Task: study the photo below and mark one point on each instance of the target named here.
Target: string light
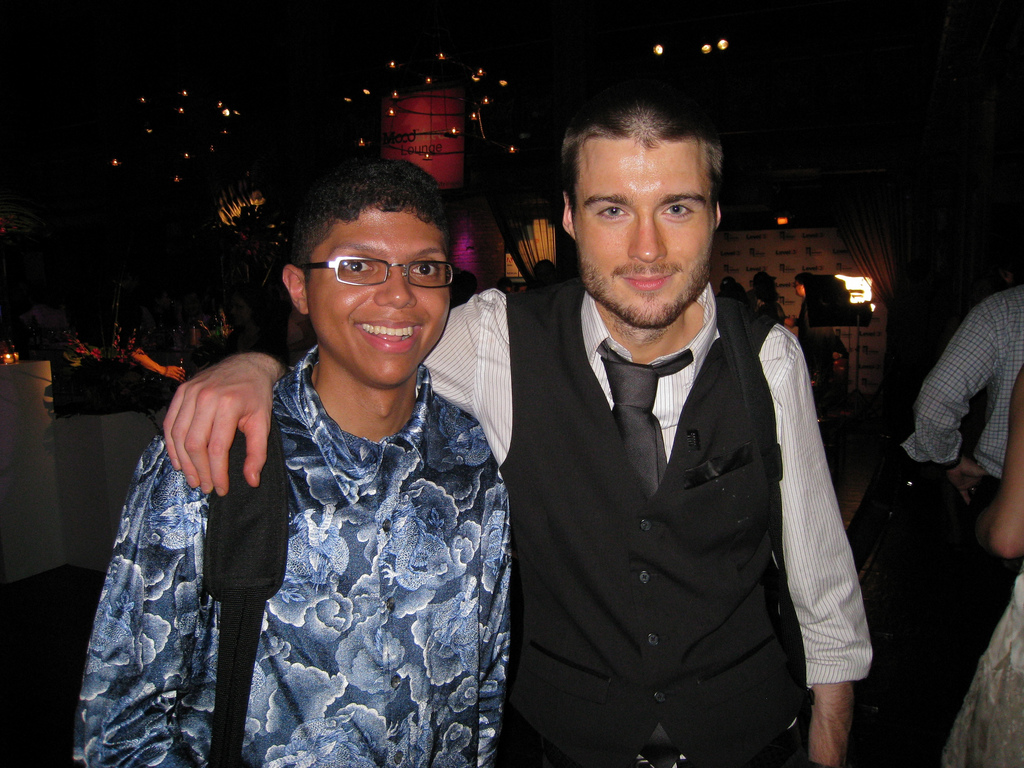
(226, 112)
(115, 162)
(658, 50)
(183, 93)
(142, 99)
(723, 44)
(181, 110)
(366, 91)
(706, 48)
(503, 83)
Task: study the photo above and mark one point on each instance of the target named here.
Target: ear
(294, 279)
(567, 217)
(718, 215)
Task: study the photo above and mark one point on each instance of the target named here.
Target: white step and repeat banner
(784, 253)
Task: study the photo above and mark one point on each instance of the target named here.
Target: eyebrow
(682, 197)
(376, 252)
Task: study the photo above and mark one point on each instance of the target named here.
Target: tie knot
(635, 385)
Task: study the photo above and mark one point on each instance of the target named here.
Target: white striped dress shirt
(471, 367)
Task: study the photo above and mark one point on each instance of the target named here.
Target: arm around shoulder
(201, 420)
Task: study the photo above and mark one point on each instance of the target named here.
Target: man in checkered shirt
(986, 352)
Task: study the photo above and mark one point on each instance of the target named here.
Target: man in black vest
(640, 505)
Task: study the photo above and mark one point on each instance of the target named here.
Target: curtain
(524, 223)
(872, 211)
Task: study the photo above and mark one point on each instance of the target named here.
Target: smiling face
(372, 337)
(643, 225)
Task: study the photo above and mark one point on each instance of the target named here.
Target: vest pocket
(717, 466)
(567, 676)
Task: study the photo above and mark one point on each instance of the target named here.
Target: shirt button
(386, 526)
(399, 757)
(645, 525)
(653, 639)
(395, 681)
(659, 696)
(390, 603)
(644, 577)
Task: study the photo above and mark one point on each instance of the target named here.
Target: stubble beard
(646, 317)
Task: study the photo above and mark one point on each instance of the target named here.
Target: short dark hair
(649, 112)
(392, 186)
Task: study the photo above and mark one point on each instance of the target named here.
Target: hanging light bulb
(723, 44)
(366, 91)
(503, 83)
(512, 150)
(391, 111)
(440, 56)
(115, 162)
(394, 94)
(392, 65)
(362, 142)
(706, 48)
(658, 50)
(485, 100)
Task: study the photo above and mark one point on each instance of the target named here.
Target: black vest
(637, 611)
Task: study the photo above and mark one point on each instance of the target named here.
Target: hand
(174, 372)
(965, 476)
(201, 420)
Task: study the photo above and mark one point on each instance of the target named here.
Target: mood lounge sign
(427, 128)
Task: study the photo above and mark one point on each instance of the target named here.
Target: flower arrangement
(100, 380)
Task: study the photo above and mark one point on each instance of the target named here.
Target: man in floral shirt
(388, 642)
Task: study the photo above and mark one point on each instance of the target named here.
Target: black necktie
(634, 387)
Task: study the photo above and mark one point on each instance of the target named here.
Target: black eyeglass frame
(333, 265)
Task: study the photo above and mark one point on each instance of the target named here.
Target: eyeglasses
(359, 271)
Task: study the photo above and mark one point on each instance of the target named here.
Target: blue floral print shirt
(387, 643)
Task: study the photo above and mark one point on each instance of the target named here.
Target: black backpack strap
(244, 562)
(742, 336)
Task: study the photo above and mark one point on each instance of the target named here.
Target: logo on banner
(727, 269)
(730, 253)
(811, 251)
(784, 235)
(730, 237)
(756, 253)
(809, 235)
(427, 128)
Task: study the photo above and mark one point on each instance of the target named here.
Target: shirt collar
(595, 331)
(299, 398)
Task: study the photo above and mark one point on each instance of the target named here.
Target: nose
(646, 241)
(395, 291)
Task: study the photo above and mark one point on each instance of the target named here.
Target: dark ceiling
(805, 89)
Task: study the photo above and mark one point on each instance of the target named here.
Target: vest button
(386, 526)
(399, 757)
(659, 696)
(653, 639)
(645, 525)
(644, 577)
(390, 603)
(395, 681)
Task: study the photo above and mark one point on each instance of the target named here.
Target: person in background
(986, 352)
(988, 731)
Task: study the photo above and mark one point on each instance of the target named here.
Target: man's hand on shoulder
(205, 412)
